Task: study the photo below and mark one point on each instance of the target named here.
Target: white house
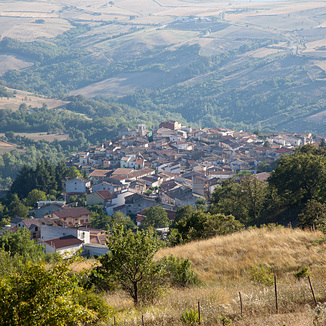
(77, 185)
(51, 232)
(66, 246)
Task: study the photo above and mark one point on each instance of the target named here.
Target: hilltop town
(170, 167)
(174, 165)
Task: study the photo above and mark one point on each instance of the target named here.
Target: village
(170, 167)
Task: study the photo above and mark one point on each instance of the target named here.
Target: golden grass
(41, 136)
(30, 99)
(229, 257)
(224, 264)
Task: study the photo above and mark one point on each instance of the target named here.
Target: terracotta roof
(105, 194)
(67, 241)
(122, 171)
(141, 172)
(72, 212)
(100, 173)
(98, 239)
(31, 223)
(283, 150)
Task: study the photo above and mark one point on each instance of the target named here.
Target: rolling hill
(241, 64)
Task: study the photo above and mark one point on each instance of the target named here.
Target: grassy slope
(224, 264)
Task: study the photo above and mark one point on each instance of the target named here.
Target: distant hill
(240, 64)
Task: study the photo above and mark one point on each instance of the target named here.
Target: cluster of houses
(170, 167)
(63, 229)
(173, 165)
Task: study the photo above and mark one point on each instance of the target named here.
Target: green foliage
(5, 93)
(262, 275)
(38, 295)
(190, 317)
(302, 272)
(313, 216)
(201, 204)
(225, 321)
(99, 218)
(119, 218)
(245, 200)
(19, 244)
(34, 196)
(16, 208)
(44, 178)
(300, 177)
(130, 263)
(192, 225)
(155, 217)
(179, 271)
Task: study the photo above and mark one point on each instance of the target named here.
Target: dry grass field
(29, 99)
(41, 136)
(5, 147)
(226, 265)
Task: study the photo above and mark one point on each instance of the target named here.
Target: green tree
(155, 217)
(99, 218)
(300, 177)
(245, 200)
(74, 173)
(17, 208)
(39, 295)
(19, 243)
(313, 215)
(118, 218)
(201, 204)
(130, 263)
(34, 196)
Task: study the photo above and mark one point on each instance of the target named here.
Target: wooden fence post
(114, 321)
(142, 320)
(276, 302)
(199, 313)
(312, 291)
(240, 302)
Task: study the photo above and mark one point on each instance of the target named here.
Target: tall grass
(225, 265)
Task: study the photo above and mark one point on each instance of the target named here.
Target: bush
(262, 275)
(179, 271)
(302, 272)
(190, 317)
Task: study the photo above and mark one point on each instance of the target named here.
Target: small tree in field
(130, 263)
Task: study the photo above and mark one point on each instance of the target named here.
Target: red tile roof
(72, 212)
(100, 173)
(105, 194)
(67, 241)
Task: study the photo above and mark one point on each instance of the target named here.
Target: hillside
(226, 264)
(239, 64)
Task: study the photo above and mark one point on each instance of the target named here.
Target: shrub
(262, 275)
(179, 271)
(302, 272)
(190, 317)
